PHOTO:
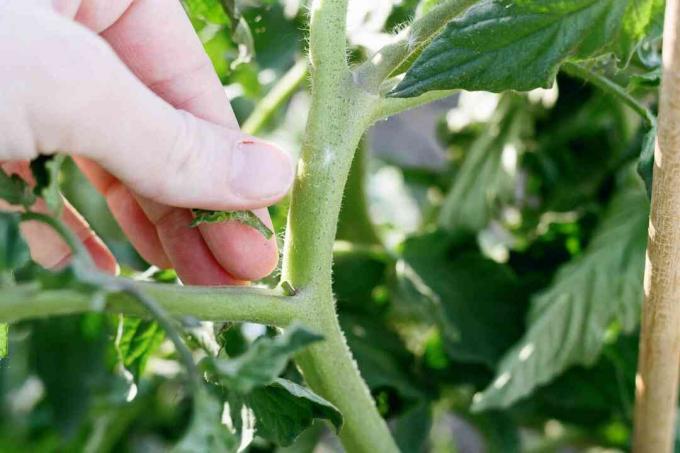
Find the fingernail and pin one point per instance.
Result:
(260, 170)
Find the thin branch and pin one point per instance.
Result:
(276, 97)
(376, 69)
(237, 304)
(392, 106)
(656, 381)
(611, 88)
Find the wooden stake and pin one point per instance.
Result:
(657, 379)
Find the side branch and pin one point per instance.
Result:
(657, 378)
(214, 304)
(373, 72)
(276, 97)
(391, 106)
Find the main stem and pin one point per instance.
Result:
(339, 114)
(657, 378)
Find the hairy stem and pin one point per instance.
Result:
(391, 106)
(276, 97)
(235, 304)
(373, 72)
(657, 378)
(339, 114)
(606, 85)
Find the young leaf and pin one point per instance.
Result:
(244, 217)
(482, 180)
(263, 362)
(137, 339)
(530, 37)
(15, 190)
(284, 409)
(13, 250)
(645, 166)
(568, 322)
(46, 173)
(206, 431)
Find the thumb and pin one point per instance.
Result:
(78, 97)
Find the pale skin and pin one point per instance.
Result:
(125, 87)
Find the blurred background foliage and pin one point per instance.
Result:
(488, 268)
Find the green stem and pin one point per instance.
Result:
(276, 96)
(613, 89)
(236, 304)
(376, 69)
(391, 106)
(340, 112)
(166, 323)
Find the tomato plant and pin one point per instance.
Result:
(498, 288)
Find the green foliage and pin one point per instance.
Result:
(568, 323)
(13, 250)
(206, 431)
(244, 217)
(284, 409)
(15, 191)
(476, 302)
(645, 165)
(482, 181)
(46, 170)
(522, 35)
(136, 341)
(263, 362)
(4, 340)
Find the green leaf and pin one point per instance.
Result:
(530, 37)
(136, 340)
(382, 356)
(284, 409)
(15, 190)
(14, 251)
(645, 166)
(476, 302)
(244, 217)
(482, 180)
(207, 10)
(569, 321)
(262, 363)
(412, 428)
(206, 431)
(642, 17)
(46, 173)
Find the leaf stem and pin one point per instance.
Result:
(613, 89)
(162, 318)
(236, 304)
(391, 106)
(371, 74)
(656, 381)
(276, 96)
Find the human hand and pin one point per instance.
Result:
(126, 88)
